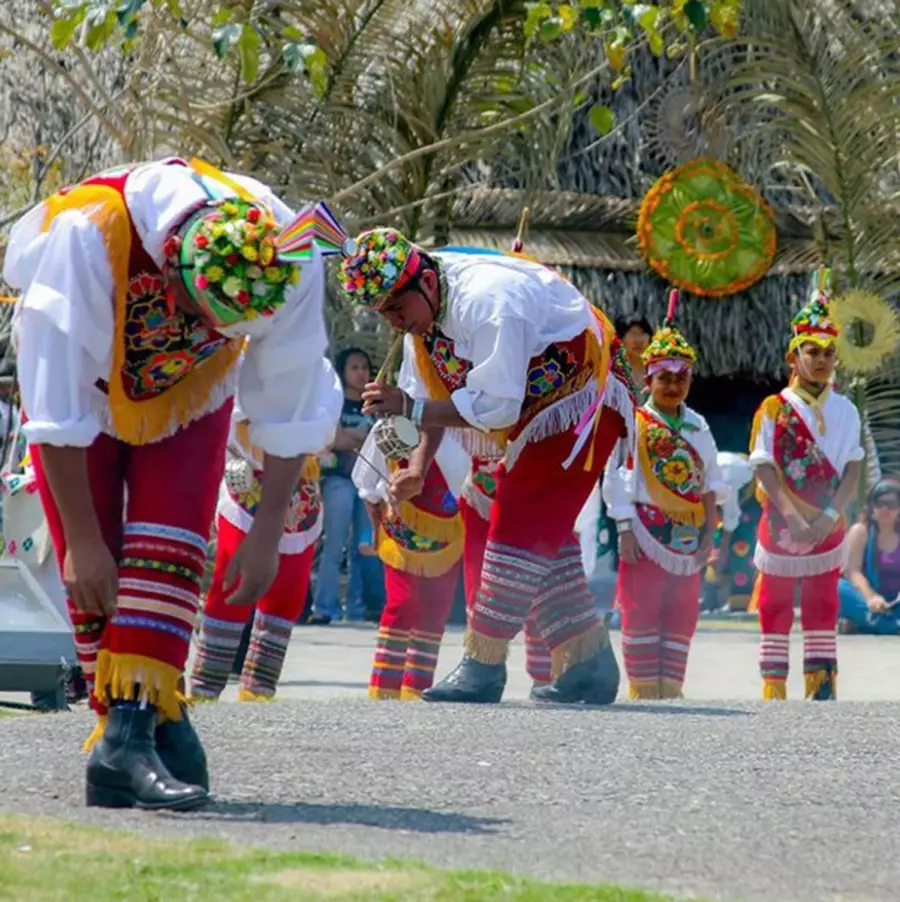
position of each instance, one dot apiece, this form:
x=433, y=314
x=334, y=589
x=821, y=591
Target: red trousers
x=410, y=632
x=159, y=536
x=222, y=624
x=537, y=653
x=532, y=559
x=659, y=617
x=818, y=618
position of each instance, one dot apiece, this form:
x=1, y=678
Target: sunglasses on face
x=889, y=503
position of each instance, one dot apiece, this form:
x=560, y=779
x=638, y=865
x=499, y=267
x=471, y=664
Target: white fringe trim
x=476, y=443
x=477, y=500
x=220, y=394
x=290, y=542
x=676, y=564
x=800, y=564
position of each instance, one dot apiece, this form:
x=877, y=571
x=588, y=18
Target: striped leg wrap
x=820, y=663
x=774, y=664
x=390, y=662
x=217, y=645
x=537, y=654
x=269, y=640
x=566, y=613
x=674, y=664
x=88, y=630
x=510, y=579
x=421, y=660
x=643, y=663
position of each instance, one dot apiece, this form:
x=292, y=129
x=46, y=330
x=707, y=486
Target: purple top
x=889, y=573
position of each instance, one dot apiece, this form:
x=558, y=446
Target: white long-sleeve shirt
x=65, y=325
x=501, y=312
x=841, y=443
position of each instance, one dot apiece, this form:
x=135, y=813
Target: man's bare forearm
x=421, y=459
x=443, y=415
x=710, y=516
x=279, y=480
x=67, y=475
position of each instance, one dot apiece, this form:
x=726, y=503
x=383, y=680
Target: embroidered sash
x=480, y=487
x=671, y=469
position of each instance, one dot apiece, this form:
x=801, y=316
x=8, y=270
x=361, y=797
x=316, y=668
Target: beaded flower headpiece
x=236, y=262
x=669, y=349
x=813, y=323
x=382, y=262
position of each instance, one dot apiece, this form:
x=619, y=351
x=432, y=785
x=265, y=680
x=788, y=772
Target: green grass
x=52, y=861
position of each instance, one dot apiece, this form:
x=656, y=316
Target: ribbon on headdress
x=314, y=226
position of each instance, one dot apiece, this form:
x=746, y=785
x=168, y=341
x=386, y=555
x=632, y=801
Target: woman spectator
x=871, y=580
x=635, y=333
x=344, y=513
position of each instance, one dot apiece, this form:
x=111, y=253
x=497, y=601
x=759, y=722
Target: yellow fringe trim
x=408, y=694
x=201, y=700
x=597, y=361
x=485, y=649
x=646, y=690
x=96, y=734
x=419, y=563
x=432, y=526
x=691, y=513
x=671, y=689
x=139, y=422
x=813, y=682
x=774, y=690
x=379, y=694
x=577, y=649
x=245, y=695
x=134, y=678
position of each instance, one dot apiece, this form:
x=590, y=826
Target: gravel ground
x=785, y=803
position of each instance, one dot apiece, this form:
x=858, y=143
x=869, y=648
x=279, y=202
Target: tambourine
x=396, y=437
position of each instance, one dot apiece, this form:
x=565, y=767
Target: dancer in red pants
x=139, y=287
x=806, y=451
x=221, y=624
x=420, y=543
x=516, y=361
x=663, y=500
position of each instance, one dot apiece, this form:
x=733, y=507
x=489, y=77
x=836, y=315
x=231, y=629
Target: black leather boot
x=471, y=682
x=125, y=771
x=594, y=681
x=181, y=751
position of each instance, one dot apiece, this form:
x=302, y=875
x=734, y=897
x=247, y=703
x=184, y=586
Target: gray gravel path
x=784, y=803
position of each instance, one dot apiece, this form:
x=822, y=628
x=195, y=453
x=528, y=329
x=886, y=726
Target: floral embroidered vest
x=674, y=475
x=480, y=487
x=166, y=363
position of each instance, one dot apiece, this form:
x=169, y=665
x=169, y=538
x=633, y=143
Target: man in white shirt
x=514, y=360
x=139, y=287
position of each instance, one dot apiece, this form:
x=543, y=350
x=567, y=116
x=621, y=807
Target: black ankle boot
x=124, y=770
x=594, y=682
x=181, y=751
x=472, y=682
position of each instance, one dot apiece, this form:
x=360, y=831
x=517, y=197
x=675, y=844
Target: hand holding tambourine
x=395, y=434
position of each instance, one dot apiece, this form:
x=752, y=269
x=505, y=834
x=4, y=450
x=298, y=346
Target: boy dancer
x=806, y=452
x=663, y=500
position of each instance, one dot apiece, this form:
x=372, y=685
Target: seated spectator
x=870, y=586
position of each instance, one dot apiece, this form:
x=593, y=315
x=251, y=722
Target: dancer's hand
x=252, y=569
x=91, y=577
x=822, y=528
x=800, y=530
x=877, y=605
x=404, y=485
x=629, y=550
x=379, y=398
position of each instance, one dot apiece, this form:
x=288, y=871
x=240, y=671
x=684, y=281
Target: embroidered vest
x=166, y=365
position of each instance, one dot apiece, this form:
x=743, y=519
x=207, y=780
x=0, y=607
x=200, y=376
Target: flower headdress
x=236, y=263
x=669, y=349
x=813, y=322
x=382, y=262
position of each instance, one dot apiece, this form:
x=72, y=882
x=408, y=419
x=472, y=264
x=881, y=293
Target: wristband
x=623, y=526
x=832, y=514
x=418, y=411
x=407, y=402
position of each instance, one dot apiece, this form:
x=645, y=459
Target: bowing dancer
x=515, y=361
x=139, y=287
